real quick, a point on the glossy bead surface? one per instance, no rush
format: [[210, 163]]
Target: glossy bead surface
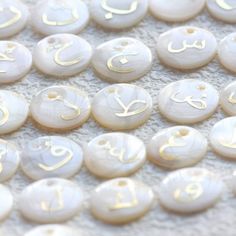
[[6, 202]]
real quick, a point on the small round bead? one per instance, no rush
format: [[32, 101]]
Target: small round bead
[[6, 202]]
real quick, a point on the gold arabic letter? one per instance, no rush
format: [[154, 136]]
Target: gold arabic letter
[[14, 19]]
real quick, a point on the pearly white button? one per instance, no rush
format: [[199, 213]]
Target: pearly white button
[[9, 159], [175, 10], [122, 60], [15, 61], [224, 10], [60, 107], [60, 16], [222, 137], [62, 55], [186, 47], [14, 111], [120, 201], [51, 156], [50, 200], [188, 101], [177, 147], [13, 17], [120, 14], [122, 106], [115, 155], [6, 202], [190, 190]]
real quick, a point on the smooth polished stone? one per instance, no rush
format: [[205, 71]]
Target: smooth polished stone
[[177, 147], [175, 10], [121, 200], [9, 159], [13, 17], [122, 60], [15, 61], [122, 106], [224, 10], [188, 101], [190, 190], [11, 118], [62, 55], [60, 107], [6, 202], [117, 15], [186, 47], [114, 155], [51, 156], [60, 16], [51, 200]]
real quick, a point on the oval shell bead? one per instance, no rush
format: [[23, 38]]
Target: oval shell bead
[[6, 202]]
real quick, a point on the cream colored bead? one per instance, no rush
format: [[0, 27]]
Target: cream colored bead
[[190, 190], [13, 17], [122, 106], [6, 202], [186, 47], [224, 10], [115, 155], [15, 61], [62, 55], [50, 200], [11, 118], [122, 60], [60, 16], [177, 147], [120, 14], [60, 107], [188, 101], [175, 10], [51, 156], [9, 159], [120, 201]]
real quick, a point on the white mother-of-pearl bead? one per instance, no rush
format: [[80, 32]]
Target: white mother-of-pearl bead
[[6, 202], [14, 111], [177, 147], [50, 200], [120, 14], [62, 55], [122, 60], [15, 61], [51, 156], [224, 10], [186, 47], [9, 159], [13, 17], [122, 106], [190, 190], [188, 101], [115, 155], [60, 16], [121, 200], [175, 10], [60, 107]]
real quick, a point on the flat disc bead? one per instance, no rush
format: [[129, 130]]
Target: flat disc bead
[[122, 60], [51, 156], [115, 155], [62, 55], [190, 190], [122, 106], [13, 17], [121, 200], [186, 47], [60, 107], [60, 16], [6, 202], [117, 15], [175, 10], [188, 101], [177, 147], [51, 200]]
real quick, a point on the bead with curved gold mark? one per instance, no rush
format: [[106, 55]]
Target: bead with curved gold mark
[[17, 16]]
